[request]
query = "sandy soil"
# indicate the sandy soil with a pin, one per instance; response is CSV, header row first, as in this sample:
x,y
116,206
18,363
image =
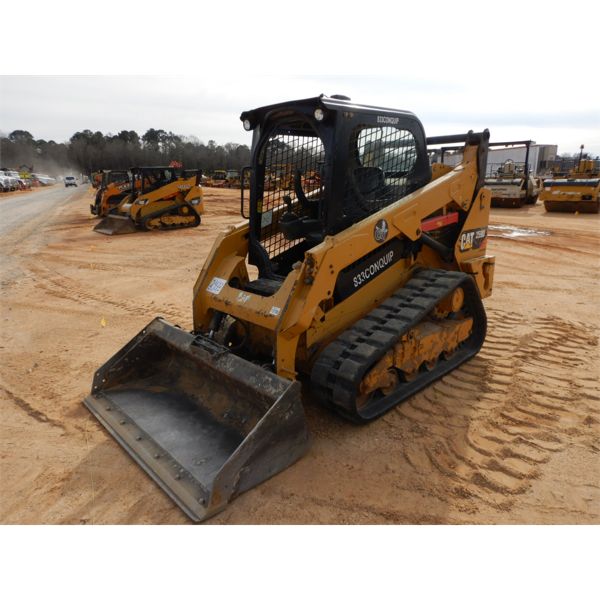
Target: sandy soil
x,y
511,437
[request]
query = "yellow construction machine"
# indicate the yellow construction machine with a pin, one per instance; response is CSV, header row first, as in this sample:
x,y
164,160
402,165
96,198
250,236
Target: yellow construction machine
x,y
233,178
96,179
113,187
159,198
368,287
279,176
224,179
217,179
579,192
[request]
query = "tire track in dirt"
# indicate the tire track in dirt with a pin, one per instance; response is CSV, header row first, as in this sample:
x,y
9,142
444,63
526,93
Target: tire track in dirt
x,y
59,286
34,413
493,423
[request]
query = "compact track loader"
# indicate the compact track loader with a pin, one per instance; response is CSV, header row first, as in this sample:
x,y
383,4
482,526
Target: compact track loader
x,y
113,187
160,198
368,288
579,192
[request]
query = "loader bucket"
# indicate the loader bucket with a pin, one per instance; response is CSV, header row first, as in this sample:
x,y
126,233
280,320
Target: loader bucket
x,y
115,225
205,424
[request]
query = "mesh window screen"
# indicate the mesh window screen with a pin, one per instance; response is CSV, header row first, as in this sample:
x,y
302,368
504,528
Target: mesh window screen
x,y
380,175
285,155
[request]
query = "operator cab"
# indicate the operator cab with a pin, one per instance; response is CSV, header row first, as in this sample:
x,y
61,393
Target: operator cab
x,y
117,177
320,165
152,178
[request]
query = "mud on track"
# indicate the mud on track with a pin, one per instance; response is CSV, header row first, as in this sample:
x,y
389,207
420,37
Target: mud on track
x,y
511,437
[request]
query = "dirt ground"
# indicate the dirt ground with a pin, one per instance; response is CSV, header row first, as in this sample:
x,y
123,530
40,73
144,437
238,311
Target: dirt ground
x,y
511,437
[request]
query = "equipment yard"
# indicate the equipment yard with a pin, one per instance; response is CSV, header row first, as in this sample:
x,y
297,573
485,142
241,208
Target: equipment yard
x,y
512,436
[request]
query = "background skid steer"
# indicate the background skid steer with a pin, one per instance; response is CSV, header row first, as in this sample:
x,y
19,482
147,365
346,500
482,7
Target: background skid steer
x,y
160,198
371,273
113,187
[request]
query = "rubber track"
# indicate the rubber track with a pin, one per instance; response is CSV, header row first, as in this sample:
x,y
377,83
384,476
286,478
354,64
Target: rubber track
x,y
167,211
341,366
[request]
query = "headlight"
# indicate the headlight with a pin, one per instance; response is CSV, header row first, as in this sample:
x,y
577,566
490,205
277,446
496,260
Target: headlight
x,y
141,202
195,201
319,114
247,125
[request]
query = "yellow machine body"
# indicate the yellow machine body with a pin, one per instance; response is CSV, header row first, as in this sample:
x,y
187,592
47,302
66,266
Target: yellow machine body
x,y
296,320
370,271
173,205
579,192
114,187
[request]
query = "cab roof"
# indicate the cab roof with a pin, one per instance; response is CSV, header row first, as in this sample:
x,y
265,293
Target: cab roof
x,y
330,103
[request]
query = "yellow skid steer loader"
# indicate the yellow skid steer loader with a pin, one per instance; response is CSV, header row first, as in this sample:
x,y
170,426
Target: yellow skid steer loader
x,y
369,288
159,198
114,186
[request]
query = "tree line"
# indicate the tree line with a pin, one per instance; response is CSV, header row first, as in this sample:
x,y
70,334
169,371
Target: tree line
x,y
88,151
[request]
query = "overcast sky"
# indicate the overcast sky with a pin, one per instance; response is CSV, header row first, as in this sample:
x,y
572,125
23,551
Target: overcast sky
x,y
525,70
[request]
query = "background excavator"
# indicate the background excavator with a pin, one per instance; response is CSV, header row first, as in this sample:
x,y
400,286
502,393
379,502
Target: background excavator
x,y
159,198
578,192
369,287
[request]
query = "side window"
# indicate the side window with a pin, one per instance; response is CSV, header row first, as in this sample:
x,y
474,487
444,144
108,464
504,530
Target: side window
x,y
381,168
387,148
